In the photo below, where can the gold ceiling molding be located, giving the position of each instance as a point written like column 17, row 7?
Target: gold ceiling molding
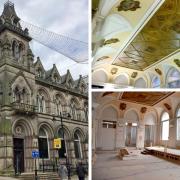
column 168, row 107
column 158, row 71
column 122, row 106
column 114, row 71
column 177, row 62
column 145, row 98
column 128, row 5
column 110, row 41
column 143, row 110
column 102, row 58
column 159, row 38
column 134, row 74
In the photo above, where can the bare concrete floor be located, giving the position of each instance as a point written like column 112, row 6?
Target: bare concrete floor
column 133, row 167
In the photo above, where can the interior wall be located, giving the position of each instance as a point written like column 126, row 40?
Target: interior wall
column 133, row 113
column 159, row 69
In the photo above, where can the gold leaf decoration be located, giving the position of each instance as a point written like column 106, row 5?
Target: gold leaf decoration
column 122, row 106
column 111, row 41
column 128, row 5
column 177, row 62
column 143, row 110
column 134, row 74
column 102, row 58
column 114, row 70
column 158, row 71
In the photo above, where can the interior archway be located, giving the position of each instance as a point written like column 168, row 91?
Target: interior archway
column 131, row 124
column 140, row 83
column 150, row 128
column 100, row 76
column 108, row 124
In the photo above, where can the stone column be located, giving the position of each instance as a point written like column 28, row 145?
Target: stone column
column 6, row 146
column 120, row 131
column 72, row 152
column 140, row 136
column 6, row 154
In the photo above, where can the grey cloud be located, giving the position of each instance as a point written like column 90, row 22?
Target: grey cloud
column 67, row 17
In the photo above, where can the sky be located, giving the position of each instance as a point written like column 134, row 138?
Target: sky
column 64, row 17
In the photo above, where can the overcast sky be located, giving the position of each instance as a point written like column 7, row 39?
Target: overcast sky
column 66, row 17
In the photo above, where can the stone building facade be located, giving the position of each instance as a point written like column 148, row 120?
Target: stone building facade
column 33, row 101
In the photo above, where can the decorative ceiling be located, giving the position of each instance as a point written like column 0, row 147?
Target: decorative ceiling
column 144, row 98
column 159, row 38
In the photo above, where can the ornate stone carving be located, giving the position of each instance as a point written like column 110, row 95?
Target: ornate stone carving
column 128, row 5
column 114, row 71
column 111, row 41
column 168, row 107
column 134, row 74
column 122, row 106
column 143, row 110
column 177, row 62
column 102, row 58
column 18, row 130
column 158, row 71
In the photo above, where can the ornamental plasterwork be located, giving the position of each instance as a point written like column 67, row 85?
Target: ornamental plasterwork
column 128, row 5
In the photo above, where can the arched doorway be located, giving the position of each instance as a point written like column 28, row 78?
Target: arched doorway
column 108, row 125
column 21, row 138
column 150, row 127
column 131, row 124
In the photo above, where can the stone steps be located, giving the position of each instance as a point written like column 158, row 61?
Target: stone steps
column 41, row 176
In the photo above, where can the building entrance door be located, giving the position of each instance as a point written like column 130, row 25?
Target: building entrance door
column 18, row 155
column 131, row 133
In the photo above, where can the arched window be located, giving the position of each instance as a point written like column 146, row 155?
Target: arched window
column 39, row 72
column 60, row 105
column 63, row 150
column 20, row 95
column 15, row 50
column 178, row 123
column 55, row 78
column 77, row 145
column 173, row 78
column 43, row 144
column 42, row 102
column 165, row 126
column 140, row 83
column 73, row 111
column 86, row 112
column 156, row 82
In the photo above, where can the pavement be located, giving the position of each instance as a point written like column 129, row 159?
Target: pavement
column 133, row 167
column 7, row 178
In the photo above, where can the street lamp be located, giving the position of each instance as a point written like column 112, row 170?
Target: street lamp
column 62, row 126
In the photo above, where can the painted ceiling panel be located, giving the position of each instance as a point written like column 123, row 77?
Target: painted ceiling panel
column 159, row 38
column 146, row 98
